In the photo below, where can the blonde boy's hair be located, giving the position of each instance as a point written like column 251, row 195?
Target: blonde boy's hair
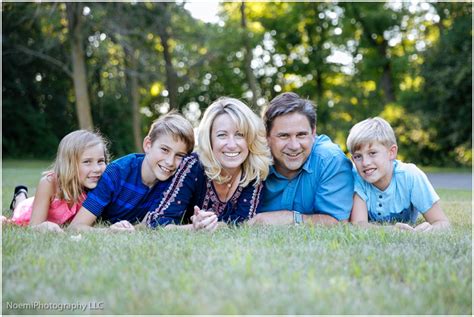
column 257, row 165
column 66, row 165
column 369, row 131
column 175, row 125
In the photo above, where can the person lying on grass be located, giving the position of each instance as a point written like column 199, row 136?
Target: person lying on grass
column 311, row 179
column 134, row 184
column 386, row 189
column 222, row 183
column 81, row 159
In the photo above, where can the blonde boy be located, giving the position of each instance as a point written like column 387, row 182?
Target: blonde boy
column 386, row 189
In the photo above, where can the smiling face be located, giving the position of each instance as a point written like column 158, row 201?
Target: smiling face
column 290, row 140
column 91, row 166
column 374, row 163
column 162, row 158
column 228, row 143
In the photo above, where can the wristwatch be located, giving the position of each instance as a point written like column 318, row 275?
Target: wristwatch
column 297, row 217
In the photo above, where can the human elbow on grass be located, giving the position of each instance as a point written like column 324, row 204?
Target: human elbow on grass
column 223, row 182
column 85, row 220
column 134, row 184
column 387, row 190
column 80, row 161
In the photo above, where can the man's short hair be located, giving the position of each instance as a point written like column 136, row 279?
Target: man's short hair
column 286, row 103
column 369, row 131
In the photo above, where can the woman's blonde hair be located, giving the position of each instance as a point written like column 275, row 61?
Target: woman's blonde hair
column 369, row 131
column 257, row 165
column 66, row 165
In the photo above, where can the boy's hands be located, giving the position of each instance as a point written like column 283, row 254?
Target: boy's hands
column 404, row 226
column 423, row 227
column 122, row 226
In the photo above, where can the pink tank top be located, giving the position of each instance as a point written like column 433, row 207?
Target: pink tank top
column 59, row 212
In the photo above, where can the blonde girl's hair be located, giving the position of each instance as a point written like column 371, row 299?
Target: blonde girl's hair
column 369, row 131
column 257, row 165
column 175, row 125
column 66, row 165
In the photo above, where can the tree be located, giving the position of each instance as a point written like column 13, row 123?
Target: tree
column 374, row 20
column 126, row 28
column 163, row 26
column 411, row 63
column 253, row 85
column 75, row 26
column 445, row 100
column 36, row 112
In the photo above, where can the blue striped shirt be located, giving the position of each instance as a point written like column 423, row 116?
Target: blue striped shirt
column 121, row 194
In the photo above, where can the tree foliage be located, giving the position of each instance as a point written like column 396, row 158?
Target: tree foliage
column 445, row 99
column 409, row 62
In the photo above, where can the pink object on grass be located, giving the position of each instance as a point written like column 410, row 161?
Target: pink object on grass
column 59, row 212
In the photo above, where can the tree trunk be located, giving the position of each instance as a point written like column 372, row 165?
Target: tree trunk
column 253, row 85
column 136, row 119
column 316, row 40
column 75, row 22
column 135, row 95
column 386, row 82
column 171, row 77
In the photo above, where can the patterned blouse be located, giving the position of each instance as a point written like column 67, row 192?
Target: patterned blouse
column 191, row 187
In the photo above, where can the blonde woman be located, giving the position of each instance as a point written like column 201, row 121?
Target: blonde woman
column 222, row 183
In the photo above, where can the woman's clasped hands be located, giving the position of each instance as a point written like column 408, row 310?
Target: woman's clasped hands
column 204, row 220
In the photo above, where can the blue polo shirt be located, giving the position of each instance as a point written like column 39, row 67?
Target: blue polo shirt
column 121, row 194
column 324, row 185
column 408, row 194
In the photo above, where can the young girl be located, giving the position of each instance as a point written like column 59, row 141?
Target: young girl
column 134, row 184
column 79, row 164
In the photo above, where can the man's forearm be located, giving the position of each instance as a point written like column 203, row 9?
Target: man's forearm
column 319, row 219
column 286, row 217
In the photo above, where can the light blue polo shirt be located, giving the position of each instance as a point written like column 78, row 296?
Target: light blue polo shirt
column 325, row 184
column 409, row 193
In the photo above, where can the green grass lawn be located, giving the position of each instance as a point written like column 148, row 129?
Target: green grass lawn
column 266, row 270
column 434, row 169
